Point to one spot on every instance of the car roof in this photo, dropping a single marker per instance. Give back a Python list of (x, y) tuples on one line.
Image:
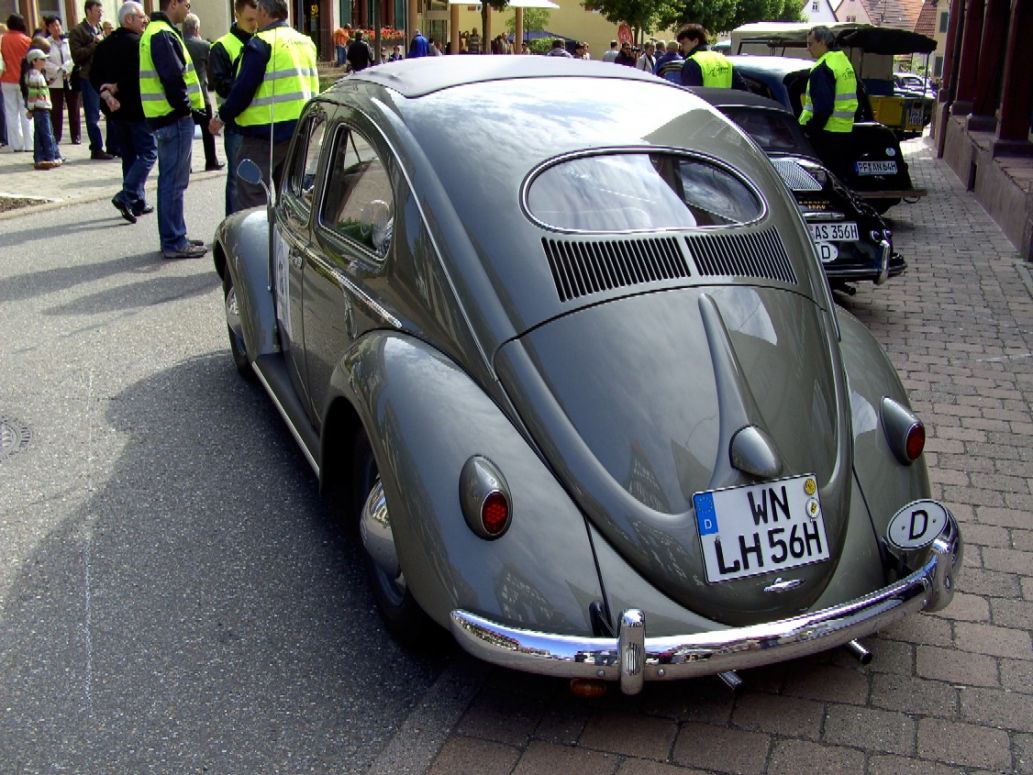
[(726, 98), (417, 77), (781, 66)]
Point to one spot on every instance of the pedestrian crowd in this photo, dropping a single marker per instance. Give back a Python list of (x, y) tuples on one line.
[(150, 78)]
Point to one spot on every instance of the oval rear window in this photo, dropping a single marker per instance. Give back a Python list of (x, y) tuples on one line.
[(640, 192)]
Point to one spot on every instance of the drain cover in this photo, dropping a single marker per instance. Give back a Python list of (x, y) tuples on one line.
[(14, 436)]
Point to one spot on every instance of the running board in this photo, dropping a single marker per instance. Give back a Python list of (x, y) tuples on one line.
[(271, 370)]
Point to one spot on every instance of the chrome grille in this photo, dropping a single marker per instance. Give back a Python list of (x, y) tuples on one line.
[(760, 254), (795, 176), (582, 267)]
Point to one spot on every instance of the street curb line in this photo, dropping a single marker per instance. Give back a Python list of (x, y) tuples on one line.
[(46, 203), (423, 733)]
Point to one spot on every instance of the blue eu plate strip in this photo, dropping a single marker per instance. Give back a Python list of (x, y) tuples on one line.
[(706, 517)]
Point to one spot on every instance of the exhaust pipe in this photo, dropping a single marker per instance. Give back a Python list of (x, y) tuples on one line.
[(731, 679), (864, 656)]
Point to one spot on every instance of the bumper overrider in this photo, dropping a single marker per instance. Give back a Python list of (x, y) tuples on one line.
[(633, 658)]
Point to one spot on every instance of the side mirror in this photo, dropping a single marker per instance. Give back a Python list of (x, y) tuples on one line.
[(249, 172)]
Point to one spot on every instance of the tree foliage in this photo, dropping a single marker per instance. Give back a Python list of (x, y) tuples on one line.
[(535, 20), (716, 15)]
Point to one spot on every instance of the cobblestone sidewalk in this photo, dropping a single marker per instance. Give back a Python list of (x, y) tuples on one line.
[(949, 692)]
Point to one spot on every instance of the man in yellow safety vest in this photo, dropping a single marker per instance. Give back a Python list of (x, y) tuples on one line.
[(276, 77), (222, 69), (170, 94), (703, 67), (830, 101)]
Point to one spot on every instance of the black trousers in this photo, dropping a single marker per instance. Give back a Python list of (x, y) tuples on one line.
[(211, 161)]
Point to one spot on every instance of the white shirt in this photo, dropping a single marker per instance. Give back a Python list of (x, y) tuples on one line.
[(59, 63)]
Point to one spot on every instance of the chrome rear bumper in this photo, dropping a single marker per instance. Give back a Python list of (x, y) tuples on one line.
[(632, 658)]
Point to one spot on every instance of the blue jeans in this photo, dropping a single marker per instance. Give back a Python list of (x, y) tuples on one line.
[(44, 146), (175, 143), (91, 106), (232, 141), (139, 152), (342, 53)]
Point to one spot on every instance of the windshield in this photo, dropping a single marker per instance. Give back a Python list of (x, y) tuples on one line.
[(773, 130), (640, 191)]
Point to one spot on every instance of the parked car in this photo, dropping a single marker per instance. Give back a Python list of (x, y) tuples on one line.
[(851, 239), (911, 85), (578, 373), (879, 173)]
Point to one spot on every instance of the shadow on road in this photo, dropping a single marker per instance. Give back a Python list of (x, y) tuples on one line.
[(201, 610)]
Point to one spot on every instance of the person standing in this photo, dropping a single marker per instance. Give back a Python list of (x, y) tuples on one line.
[(703, 67), (418, 47), (342, 36), (277, 77), (626, 56), (82, 41), (558, 50), (222, 67), (669, 65), (610, 55), (830, 100), (45, 153), (200, 49), (59, 72), (647, 61), (473, 42), (14, 45), (170, 93), (115, 75), (360, 56)]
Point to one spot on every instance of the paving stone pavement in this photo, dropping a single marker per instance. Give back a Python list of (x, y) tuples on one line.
[(80, 179), (945, 693)]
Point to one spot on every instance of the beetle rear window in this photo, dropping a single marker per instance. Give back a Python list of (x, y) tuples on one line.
[(638, 192)]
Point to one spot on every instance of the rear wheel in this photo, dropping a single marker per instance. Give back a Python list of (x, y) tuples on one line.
[(401, 614), (234, 327)]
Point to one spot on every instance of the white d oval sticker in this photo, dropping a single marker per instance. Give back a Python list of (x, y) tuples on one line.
[(916, 525)]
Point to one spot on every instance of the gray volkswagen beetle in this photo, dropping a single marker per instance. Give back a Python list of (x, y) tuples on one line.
[(576, 367)]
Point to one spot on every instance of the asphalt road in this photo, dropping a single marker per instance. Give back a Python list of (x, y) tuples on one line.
[(174, 595)]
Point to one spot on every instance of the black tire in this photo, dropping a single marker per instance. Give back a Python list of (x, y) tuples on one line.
[(401, 614), (238, 351)]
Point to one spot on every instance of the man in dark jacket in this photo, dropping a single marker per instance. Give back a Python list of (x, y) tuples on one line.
[(360, 56), (200, 50), (222, 68), (115, 74), (703, 67)]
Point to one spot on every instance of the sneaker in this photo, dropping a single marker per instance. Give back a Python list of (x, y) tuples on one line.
[(58, 161), (124, 209), (187, 251), (101, 156)]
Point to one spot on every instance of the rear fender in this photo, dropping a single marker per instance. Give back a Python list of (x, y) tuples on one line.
[(887, 483), (244, 242), (425, 418)]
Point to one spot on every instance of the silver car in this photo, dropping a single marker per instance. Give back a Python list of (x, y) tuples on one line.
[(556, 334)]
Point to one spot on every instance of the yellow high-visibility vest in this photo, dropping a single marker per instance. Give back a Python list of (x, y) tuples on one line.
[(290, 78), (152, 93), (716, 69), (234, 47), (845, 105)]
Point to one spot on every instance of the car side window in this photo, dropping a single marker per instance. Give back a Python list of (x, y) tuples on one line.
[(359, 203), (302, 180)]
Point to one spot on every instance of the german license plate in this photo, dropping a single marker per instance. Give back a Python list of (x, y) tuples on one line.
[(833, 232), (760, 528), (876, 168)]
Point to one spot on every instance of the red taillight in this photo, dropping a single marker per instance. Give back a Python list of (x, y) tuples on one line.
[(495, 513), (915, 442)]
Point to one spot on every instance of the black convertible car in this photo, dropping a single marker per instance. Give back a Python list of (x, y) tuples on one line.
[(879, 174), (850, 237)]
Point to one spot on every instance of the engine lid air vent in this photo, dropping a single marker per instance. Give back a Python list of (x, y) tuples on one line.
[(582, 267), (795, 176), (760, 254)]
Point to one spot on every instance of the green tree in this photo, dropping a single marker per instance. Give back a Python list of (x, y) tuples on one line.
[(535, 20), (643, 16), (716, 15), (486, 8)]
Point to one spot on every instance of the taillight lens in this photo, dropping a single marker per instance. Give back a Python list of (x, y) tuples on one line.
[(915, 442), (495, 514)]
